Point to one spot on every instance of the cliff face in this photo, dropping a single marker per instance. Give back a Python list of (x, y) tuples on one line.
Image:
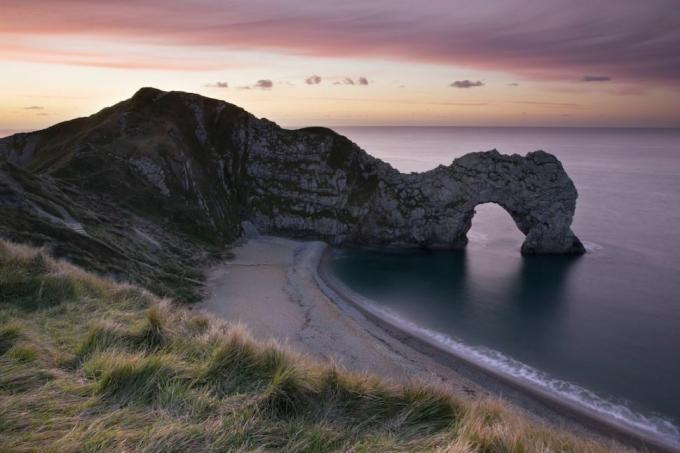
[(165, 171)]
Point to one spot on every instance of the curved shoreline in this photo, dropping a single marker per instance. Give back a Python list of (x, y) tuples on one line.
[(503, 384)]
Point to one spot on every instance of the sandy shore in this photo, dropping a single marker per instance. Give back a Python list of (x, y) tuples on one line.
[(274, 288), (271, 287)]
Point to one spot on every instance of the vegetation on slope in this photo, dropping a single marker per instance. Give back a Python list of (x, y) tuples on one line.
[(90, 365)]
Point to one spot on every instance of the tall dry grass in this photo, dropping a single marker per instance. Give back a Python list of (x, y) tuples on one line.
[(90, 365)]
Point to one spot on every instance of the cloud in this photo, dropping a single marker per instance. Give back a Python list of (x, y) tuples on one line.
[(313, 80), (595, 78), (264, 84), (34, 107), (218, 85), (513, 84), (467, 84), (105, 57), (350, 81), (532, 38)]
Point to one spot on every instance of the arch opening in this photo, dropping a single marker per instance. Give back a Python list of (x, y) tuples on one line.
[(492, 223)]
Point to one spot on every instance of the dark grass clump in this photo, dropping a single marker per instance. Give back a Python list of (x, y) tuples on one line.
[(30, 292), (24, 353), (9, 334), (428, 409), (133, 378), (101, 337), (152, 334), (239, 365), (289, 394)]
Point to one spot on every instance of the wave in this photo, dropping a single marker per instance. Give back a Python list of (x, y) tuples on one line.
[(566, 391), (592, 246)]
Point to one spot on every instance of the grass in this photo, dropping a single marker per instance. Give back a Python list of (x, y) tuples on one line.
[(90, 365)]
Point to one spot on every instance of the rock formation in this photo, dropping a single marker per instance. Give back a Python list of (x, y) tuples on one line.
[(163, 170)]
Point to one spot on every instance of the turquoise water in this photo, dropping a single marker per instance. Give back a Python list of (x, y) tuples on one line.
[(602, 330)]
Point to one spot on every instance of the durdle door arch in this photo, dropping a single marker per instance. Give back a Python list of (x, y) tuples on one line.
[(435, 209)]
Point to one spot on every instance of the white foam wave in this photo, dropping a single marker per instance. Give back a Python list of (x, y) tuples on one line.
[(591, 246), (563, 390)]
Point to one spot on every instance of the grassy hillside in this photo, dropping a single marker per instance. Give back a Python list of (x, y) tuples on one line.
[(90, 365)]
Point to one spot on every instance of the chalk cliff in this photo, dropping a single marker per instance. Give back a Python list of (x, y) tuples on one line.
[(164, 172)]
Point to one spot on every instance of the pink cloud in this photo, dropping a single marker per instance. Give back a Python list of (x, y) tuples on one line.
[(627, 40), (105, 59)]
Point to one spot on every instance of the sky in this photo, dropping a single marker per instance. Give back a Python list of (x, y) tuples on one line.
[(595, 63)]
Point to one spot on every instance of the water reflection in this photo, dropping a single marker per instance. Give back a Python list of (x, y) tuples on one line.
[(483, 297), (541, 283)]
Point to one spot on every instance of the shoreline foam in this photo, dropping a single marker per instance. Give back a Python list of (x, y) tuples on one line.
[(444, 349)]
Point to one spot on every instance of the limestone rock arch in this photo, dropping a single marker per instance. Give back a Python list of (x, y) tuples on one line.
[(435, 209)]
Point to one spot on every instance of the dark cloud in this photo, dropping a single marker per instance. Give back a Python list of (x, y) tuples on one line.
[(313, 80), (595, 78), (467, 84), (513, 84), (34, 107), (218, 85), (350, 81), (264, 84)]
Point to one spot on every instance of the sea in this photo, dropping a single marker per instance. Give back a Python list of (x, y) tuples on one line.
[(602, 330)]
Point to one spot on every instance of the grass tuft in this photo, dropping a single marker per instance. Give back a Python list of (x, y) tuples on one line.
[(103, 335), (9, 334), (153, 333), (133, 378), (23, 353), (428, 409), (238, 364), (288, 394)]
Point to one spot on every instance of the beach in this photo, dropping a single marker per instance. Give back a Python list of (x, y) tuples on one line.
[(278, 290), (271, 287)]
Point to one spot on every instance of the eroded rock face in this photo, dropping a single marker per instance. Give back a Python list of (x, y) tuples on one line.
[(325, 187), (202, 166)]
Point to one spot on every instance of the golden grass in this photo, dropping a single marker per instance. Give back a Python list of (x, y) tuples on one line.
[(90, 365)]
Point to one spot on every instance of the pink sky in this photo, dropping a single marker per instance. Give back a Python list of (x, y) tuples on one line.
[(512, 62)]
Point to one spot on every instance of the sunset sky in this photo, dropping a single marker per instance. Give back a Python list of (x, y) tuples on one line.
[(378, 62)]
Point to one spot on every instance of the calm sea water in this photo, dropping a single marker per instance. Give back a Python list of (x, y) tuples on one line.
[(603, 329)]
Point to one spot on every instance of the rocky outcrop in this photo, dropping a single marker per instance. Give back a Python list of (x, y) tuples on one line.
[(352, 198), (315, 183), (169, 172)]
